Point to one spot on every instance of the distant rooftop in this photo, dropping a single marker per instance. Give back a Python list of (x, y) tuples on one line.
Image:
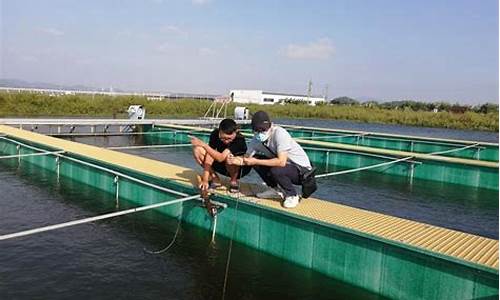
[(287, 94)]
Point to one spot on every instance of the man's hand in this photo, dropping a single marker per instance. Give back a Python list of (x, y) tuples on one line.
[(204, 185), (234, 160), (197, 142), (249, 161)]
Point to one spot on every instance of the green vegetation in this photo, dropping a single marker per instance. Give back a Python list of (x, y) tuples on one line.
[(30, 105), (467, 120), (420, 106)]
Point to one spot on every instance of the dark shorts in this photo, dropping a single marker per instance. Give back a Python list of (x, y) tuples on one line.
[(220, 168)]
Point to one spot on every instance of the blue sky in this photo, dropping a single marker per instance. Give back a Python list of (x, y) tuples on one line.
[(382, 49)]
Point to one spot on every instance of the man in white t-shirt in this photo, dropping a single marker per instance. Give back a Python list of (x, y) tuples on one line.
[(276, 157)]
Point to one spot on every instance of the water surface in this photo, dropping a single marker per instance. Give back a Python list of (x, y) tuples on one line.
[(107, 260)]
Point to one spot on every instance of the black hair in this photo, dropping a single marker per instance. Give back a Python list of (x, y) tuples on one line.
[(228, 126)]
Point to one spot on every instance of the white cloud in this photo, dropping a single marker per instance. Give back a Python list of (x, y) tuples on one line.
[(164, 47), (29, 58), (206, 51), (172, 29), (124, 33), (84, 61), (51, 31), (200, 2), (321, 49)]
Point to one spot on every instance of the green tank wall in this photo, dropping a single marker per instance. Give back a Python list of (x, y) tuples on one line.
[(388, 268), (487, 153), (334, 160)]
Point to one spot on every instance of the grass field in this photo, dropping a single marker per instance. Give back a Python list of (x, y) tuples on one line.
[(31, 105)]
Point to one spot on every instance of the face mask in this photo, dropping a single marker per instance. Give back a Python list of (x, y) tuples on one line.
[(262, 136)]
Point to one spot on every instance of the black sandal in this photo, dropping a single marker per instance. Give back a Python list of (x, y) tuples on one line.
[(214, 185), (234, 188)]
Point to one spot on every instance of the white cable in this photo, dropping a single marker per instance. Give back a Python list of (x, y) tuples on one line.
[(30, 154), (104, 169), (96, 218), (228, 261), (356, 153), (83, 134), (224, 205), (149, 146), (363, 168), (214, 229), (385, 136), (453, 150), (171, 242), (327, 137)]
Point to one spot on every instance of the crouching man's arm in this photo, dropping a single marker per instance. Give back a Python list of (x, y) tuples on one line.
[(246, 160), (207, 169), (279, 161), (216, 155)]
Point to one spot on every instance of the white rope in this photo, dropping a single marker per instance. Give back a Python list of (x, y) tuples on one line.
[(475, 145), (149, 146), (169, 244), (174, 238), (96, 218), (327, 137), (224, 205), (105, 169), (363, 168), (83, 134), (422, 141), (453, 150), (214, 229), (30, 154), (111, 133), (356, 153), (230, 251), (383, 136)]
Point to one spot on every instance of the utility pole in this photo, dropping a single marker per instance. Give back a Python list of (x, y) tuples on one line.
[(326, 92), (309, 90)]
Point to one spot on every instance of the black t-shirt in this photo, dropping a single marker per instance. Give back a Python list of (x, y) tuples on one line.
[(237, 147)]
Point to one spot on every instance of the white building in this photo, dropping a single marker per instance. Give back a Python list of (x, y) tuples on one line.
[(262, 97)]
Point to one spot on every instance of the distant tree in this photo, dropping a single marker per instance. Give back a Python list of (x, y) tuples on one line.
[(458, 109), (443, 106), (487, 108), (344, 101), (371, 104)]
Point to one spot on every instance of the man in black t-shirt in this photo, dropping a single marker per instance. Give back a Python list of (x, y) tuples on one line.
[(225, 142)]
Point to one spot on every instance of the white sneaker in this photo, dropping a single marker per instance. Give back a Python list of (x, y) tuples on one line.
[(271, 193), (291, 201)]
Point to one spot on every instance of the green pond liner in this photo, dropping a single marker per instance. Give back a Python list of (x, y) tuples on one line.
[(332, 159), (482, 151), (389, 268)]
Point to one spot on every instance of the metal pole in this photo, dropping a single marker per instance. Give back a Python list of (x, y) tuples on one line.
[(327, 161), (58, 167), (19, 155), (96, 218), (28, 154), (122, 175), (117, 183), (363, 168)]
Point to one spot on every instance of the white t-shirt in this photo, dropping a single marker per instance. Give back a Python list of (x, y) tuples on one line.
[(280, 141)]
